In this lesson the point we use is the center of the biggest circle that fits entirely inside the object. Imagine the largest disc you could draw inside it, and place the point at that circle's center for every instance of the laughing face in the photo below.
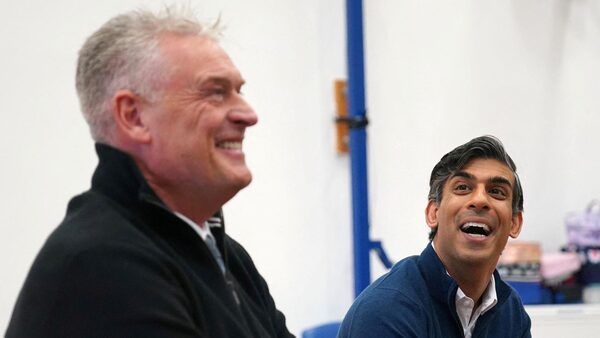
(197, 126)
(475, 216)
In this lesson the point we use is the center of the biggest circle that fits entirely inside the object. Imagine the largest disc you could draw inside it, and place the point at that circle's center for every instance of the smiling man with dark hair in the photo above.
(452, 289)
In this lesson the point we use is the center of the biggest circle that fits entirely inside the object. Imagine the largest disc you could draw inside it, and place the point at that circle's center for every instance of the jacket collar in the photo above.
(443, 288)
(118, 177)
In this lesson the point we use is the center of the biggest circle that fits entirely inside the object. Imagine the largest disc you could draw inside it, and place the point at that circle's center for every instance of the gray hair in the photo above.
(488, 147)
(124, 54)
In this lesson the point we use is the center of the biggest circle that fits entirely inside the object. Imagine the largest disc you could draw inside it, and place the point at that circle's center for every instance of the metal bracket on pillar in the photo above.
(378, 248)
(354, 122)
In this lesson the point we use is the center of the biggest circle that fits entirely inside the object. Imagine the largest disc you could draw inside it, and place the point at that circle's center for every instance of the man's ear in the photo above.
(431, 214)
(127, 108)
(517, 223)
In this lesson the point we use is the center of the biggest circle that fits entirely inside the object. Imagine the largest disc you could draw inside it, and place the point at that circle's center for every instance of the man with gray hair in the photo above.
(143, 253)
(452, 289)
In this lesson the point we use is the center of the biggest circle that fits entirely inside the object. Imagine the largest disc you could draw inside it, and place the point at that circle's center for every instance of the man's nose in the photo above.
(243, 114)
(479, 199)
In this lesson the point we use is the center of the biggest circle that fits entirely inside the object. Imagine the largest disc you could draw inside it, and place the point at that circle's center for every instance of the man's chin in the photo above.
(476, 257)
(245, 182)
(242, 179)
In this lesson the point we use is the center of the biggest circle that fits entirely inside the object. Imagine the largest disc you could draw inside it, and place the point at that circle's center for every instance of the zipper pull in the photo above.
(233, 292)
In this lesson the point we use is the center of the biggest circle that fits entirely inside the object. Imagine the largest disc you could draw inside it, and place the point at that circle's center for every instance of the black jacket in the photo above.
(122, 265)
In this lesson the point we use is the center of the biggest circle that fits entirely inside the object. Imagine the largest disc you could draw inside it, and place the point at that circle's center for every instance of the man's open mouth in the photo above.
(477, 229)
(229, 145)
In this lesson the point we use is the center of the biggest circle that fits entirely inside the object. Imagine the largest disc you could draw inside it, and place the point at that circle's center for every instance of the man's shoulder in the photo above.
(90, 261)
(92, 220)
(399, 303)
(402, 287)
(404, 275)
(396, 302)
(93, 228)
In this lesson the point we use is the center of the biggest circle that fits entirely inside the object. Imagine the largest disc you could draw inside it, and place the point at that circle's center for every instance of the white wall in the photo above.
(442, 72)
(439, 73)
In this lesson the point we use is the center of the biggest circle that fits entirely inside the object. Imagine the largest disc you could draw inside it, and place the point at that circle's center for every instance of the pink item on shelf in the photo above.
(556, 267)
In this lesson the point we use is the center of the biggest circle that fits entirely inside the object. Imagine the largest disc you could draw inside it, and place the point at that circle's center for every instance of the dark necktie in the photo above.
(212, 246)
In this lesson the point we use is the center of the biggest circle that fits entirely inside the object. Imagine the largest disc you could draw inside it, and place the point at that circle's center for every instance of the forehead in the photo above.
(487, 169)
(197, 58)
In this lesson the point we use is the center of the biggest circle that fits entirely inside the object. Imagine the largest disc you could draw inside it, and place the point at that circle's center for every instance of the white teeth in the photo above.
(475, 229)
(478, 225)
(230, 145)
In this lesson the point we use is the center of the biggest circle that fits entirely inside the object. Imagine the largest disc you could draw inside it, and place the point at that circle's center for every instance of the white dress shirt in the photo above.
(464, 307)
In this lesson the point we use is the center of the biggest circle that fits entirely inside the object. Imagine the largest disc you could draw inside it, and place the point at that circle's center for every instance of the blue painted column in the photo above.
(358, 146)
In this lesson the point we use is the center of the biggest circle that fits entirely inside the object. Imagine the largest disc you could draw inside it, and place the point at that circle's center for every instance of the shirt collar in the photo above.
(464, 304)
(489, 297)
(464, 307)
(202, 230)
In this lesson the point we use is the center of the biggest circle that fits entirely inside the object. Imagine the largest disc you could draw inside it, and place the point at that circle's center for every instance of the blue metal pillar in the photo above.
(358, 147)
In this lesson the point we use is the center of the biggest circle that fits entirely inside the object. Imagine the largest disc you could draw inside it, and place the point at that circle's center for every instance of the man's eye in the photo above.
(461, 187)
(498, 192)
(218, 93)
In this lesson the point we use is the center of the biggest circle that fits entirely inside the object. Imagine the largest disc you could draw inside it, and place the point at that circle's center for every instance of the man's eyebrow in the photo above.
(219, 81)
(219, 77)
(494, 180)
(463, 174)
(211, 79)
(500, 180)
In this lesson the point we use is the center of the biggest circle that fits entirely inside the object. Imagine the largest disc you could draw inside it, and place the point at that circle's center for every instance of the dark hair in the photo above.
(488, 147)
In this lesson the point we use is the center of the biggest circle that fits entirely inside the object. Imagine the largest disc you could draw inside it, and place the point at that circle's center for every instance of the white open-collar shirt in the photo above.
(464, 305)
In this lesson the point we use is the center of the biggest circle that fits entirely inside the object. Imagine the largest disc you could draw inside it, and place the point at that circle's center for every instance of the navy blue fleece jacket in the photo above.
(417, 299)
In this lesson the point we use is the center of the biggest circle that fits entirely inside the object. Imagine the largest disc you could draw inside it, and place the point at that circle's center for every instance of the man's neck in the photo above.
(472, 280)
(196, 204)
